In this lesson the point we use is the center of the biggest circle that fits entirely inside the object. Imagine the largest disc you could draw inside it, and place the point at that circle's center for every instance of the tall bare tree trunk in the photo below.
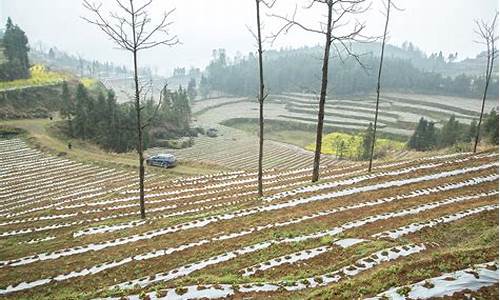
(478, 133)
(261, 103)
(374, 135)
(489, 69)
(322, 97)
(140, 139)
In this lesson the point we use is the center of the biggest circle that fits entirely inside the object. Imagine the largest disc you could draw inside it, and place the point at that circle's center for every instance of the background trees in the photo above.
(425, 136)
(83, 105)
(453, 133)
(191, 89)
(491, 127)
(176, 109)
(96, 116)
(297, 70)
(67, 107)
(368, 145)
(15, 48)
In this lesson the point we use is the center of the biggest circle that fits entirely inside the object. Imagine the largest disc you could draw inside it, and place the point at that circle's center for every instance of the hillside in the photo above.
(29, 102)
(407, 51)
(299, 70)
(72, 230)
(305, 157)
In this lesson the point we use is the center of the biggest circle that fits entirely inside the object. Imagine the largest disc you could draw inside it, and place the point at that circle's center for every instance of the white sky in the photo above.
(203, 25)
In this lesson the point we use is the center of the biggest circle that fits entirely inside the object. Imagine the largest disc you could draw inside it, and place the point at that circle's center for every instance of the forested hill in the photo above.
(406, 69)
(60, 60)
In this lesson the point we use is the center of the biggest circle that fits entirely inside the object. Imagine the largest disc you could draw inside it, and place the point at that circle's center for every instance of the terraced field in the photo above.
(399, 112)
(413, 228)
(237, 149)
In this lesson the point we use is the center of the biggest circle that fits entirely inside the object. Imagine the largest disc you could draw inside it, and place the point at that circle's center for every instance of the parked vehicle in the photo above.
(162, 160)
(212, 132)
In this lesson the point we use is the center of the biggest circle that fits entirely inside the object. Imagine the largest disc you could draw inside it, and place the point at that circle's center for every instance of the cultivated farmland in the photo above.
(412, 227)
(238, 149)
(399, 112)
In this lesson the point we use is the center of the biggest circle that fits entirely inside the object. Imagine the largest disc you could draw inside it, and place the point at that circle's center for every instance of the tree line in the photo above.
(79, 65)
(297, 70)
(97, 116)
(428, 137)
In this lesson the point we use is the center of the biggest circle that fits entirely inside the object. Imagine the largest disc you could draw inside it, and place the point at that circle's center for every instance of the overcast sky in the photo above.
(203, 25)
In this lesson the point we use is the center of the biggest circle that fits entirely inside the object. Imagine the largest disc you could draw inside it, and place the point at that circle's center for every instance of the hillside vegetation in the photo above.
(350, 146)
(39, 76)
(299, 70)
(30, 102)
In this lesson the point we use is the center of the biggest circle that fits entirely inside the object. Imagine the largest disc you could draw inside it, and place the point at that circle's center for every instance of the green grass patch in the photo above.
(350, 145)
(281, 131)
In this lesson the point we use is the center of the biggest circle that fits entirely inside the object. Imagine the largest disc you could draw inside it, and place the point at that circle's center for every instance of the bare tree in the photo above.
(132, 29)
(488, 35)
(261, 102)
(336, 35)
(262, 96)
(374, 133)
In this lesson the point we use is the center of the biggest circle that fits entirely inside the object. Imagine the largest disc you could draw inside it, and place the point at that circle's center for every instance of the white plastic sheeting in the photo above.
(473, 279)
(300, 256)
(225, 290)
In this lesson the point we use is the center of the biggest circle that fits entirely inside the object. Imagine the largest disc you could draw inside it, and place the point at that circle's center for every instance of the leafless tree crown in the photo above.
(268, 4)
(345, 26)
(487, 32)
(488, 36)
(132, 27)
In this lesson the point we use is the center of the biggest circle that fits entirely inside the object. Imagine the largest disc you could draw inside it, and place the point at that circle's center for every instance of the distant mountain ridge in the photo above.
(439, 62)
